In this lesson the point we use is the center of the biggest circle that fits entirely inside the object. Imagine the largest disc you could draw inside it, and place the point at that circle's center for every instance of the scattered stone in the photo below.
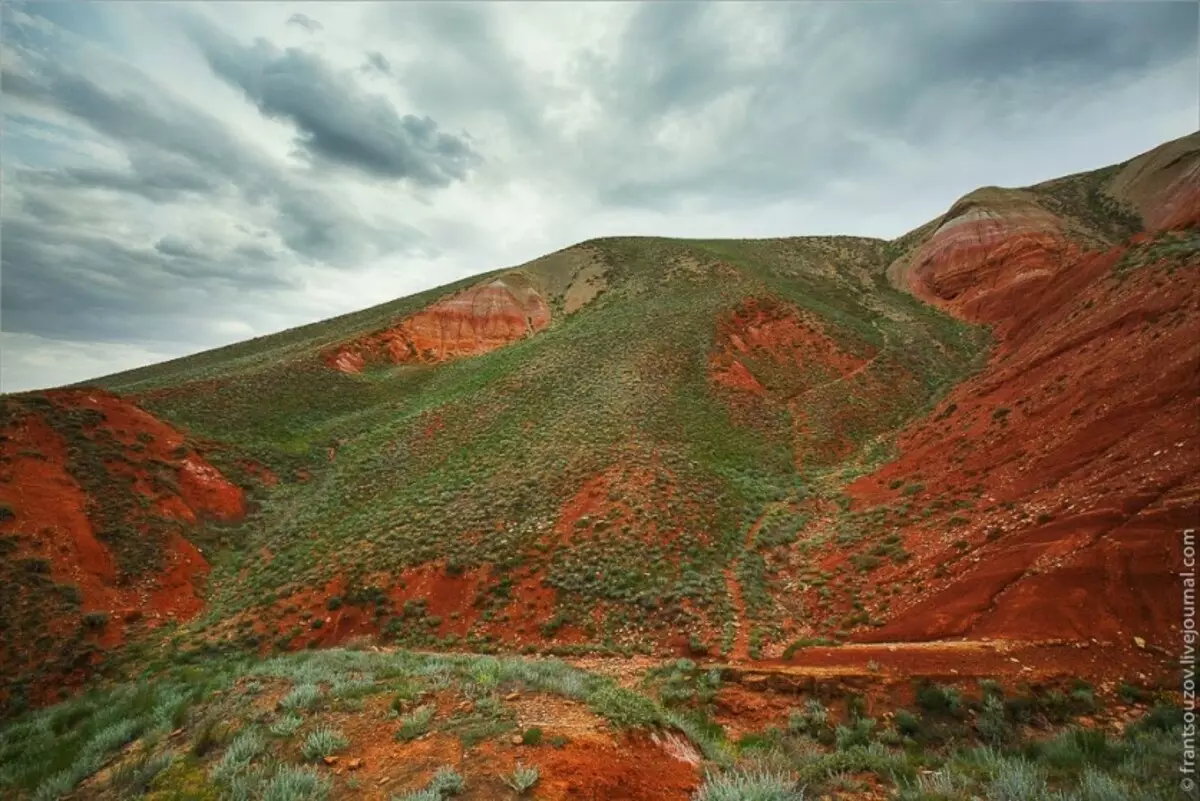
(354, 764)
(331, 760)
(384, 780)
(1139, 642)
(512, 696)
(516, 739)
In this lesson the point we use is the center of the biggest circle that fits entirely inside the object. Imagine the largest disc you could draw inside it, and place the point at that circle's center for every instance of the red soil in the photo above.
(765, 330)
(1076, 452)
(632, 768)
(981, 259)
(477, 320)
(54, 519)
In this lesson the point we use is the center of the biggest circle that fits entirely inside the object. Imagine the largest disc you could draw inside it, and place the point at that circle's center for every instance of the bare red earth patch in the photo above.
(52, 518)
(480, 319)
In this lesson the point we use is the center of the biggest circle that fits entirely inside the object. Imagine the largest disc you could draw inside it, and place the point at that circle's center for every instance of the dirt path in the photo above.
(740, 650)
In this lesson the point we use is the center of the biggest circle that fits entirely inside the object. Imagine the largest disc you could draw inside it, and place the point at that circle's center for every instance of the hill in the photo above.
(748, 452)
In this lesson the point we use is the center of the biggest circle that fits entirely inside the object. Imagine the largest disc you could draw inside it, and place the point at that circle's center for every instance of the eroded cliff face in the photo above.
(1055, 485)
(480, 319)
(992, 247)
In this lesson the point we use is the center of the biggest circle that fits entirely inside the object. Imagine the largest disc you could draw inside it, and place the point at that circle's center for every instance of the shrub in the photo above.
(857, 733)
(523, 778)
(287, 725)
(811, 721)
(623, 708)
(302, 696)
(133, 777)
(447, 781)
(415, 724)
(1016, 780)
(322, 743)
(295, 784)
(532, 736)
(907, 723)
(938, 700)
(992, 725)
(748, 786)
(238, 756)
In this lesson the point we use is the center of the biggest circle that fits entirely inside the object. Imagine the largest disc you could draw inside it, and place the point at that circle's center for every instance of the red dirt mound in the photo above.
(1057, 483)
(98, 499)
(485, 317)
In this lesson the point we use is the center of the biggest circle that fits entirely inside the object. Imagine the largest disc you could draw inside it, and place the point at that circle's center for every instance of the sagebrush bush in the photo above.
(748, 786)
(323, 742)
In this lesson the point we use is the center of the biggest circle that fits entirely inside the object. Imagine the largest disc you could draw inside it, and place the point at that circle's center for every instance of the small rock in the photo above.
(354, 764)
(384, 780)
(1139, 642)
(331, 760)
(516, 739)
(512, 696)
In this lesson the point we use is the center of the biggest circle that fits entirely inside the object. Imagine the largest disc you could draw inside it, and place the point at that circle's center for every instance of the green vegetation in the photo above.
(427, 457)
(523, 778)
(233, 744)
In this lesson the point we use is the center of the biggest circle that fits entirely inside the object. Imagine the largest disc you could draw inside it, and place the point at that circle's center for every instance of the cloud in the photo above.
(336, 120)
(306, 22)
(376, 61)
(179, 178)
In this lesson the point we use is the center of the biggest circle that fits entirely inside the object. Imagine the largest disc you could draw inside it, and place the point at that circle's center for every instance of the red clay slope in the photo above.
(97, 496)
(1075, 455)
(480, 319)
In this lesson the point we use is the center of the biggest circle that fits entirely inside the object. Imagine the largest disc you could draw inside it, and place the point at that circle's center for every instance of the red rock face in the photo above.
(478, 320)
(1075, 452)
(986, 257)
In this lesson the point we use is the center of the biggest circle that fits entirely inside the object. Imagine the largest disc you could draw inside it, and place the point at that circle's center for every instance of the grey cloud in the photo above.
(306, 22)
(178, 247)
(895, 71)
(73, 270)
(376, 61)
(174, 149)
(337, 122)
(477, 71)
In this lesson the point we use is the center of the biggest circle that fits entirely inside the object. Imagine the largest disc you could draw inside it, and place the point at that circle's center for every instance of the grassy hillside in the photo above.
(474, 464)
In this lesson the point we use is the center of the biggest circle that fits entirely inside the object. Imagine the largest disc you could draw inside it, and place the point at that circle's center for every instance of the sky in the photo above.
(176, 177)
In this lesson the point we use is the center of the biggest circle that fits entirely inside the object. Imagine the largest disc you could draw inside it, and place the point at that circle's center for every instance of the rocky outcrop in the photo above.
(487, 316)
(992, 245)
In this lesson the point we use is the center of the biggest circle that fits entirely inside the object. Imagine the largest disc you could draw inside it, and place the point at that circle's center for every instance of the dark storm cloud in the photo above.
(306, 22)
(336, 120)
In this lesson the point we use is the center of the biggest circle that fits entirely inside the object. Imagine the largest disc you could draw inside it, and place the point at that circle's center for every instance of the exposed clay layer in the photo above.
(994, 247)
(1074, 456)
(475, 321)
(99, 498)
